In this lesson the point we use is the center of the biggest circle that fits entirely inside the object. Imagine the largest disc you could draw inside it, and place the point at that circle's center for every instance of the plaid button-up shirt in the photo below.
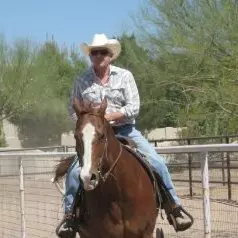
(121, 92)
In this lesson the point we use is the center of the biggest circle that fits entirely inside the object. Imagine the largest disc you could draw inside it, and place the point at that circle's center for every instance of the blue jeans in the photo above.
(156, 161)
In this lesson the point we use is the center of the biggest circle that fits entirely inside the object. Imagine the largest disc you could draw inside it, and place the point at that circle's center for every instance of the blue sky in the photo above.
(69, 21)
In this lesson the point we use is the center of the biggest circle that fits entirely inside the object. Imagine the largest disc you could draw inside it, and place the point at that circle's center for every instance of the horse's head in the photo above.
(91, 139)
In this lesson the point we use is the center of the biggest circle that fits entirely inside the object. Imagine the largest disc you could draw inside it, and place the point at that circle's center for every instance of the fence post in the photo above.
(22, 201)
(228, 170)
(223, 165)
(190, 171)
(155, 143)
(206, 195)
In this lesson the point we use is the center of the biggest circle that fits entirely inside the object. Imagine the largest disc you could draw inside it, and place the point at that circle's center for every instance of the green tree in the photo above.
(35, 89)
(157, 108)
(2, 139)
(15, 78)
(196, 43)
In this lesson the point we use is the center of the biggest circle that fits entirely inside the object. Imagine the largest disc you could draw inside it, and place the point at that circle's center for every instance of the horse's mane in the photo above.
(62, 167)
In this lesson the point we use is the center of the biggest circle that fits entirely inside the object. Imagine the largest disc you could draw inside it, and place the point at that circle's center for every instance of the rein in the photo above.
(106, 175)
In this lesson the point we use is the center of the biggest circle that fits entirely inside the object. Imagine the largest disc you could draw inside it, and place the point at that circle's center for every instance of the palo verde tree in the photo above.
(196, 43)
(155, 100)
(35, 88)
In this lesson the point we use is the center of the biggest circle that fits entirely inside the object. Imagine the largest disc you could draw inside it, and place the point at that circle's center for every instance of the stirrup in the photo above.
(177, 213)
(70, 230)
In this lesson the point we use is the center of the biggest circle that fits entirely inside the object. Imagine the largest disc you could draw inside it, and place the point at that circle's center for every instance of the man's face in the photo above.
(100, 57)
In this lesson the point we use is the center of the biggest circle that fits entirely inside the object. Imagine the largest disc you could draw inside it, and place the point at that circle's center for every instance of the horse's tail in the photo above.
(62, 167)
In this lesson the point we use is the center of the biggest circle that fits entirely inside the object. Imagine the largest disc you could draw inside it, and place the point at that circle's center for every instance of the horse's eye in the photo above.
(78, 135)
(100, 136)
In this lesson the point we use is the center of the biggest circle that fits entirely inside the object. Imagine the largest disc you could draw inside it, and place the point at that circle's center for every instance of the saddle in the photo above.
(163, 197)
(131, 147)
(126, 141)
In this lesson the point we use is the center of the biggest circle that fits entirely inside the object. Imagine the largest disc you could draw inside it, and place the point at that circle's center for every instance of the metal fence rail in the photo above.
(25, 182)
(199, 140)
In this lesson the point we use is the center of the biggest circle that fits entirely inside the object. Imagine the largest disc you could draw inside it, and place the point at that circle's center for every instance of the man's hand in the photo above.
(115, 116)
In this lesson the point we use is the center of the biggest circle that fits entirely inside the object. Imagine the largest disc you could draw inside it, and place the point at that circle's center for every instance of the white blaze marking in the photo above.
(88, 135)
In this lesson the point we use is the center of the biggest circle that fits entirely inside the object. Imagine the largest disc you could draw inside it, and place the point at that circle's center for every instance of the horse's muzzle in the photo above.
(90, 182)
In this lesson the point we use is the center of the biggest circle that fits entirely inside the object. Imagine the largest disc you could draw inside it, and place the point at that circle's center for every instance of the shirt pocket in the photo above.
(91, 94)
(117, 94)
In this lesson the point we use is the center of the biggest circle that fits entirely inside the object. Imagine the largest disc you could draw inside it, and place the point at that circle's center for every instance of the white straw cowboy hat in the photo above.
(101, 41)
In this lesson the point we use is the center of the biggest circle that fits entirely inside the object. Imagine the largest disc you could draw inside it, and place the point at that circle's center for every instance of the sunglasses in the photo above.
(102, 52)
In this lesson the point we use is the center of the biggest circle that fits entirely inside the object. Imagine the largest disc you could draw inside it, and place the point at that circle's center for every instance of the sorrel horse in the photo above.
(119, 199)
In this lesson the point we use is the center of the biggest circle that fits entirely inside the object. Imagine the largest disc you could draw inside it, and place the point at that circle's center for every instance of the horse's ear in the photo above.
(78, 106)
(103, 106)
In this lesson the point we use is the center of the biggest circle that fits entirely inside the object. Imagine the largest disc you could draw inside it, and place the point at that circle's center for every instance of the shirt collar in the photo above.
(112, 70)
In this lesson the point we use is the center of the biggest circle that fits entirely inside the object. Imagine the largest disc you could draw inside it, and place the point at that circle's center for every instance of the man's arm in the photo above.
(132, 106)
(115, 116)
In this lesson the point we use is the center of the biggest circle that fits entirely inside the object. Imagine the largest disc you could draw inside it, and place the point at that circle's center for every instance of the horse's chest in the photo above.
(115, 212)
(106, 223)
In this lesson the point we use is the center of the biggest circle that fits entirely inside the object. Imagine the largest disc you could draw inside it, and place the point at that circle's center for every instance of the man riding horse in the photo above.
(117, 85)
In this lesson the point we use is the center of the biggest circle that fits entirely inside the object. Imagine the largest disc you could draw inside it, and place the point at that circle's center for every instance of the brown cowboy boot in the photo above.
(66, 228)
(180, 219)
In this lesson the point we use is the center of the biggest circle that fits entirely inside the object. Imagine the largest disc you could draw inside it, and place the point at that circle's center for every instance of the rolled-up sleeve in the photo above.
(75, 93)
(132, 98)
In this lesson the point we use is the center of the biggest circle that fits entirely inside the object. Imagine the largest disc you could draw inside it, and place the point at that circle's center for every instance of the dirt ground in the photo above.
(43, 207)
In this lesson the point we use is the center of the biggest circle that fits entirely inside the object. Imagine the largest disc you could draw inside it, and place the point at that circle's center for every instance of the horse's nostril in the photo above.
(93, 177)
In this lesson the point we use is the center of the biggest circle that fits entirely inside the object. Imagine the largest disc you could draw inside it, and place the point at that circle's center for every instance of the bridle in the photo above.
(104, 176)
